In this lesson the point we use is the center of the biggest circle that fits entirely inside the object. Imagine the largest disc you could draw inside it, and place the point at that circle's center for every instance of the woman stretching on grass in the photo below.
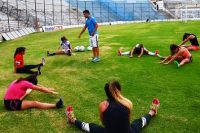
(19, 89)
(115, 114)
(139, 49)
(193, 40)
(66, 48)
(19, 66)
(179, 55)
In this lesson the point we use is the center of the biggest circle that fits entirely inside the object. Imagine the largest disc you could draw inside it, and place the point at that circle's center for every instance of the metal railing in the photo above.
(16, 14)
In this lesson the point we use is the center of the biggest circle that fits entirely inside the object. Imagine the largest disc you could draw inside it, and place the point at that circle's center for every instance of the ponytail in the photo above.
(113, 92)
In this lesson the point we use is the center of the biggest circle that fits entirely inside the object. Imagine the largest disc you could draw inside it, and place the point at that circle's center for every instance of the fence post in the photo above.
(61, 11)
(77, 12)
(8, 17)
(53, 10)
(108, 12)
(45, 19)
(69, 12)
(26, 13)
(17, 14)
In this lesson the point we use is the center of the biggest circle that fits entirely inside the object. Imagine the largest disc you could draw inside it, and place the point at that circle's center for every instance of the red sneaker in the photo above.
(70, 114)
(155, 105)
(156, 52)
(119, 52)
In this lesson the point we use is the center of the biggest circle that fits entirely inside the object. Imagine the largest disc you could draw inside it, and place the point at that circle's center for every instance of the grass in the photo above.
(81, 82)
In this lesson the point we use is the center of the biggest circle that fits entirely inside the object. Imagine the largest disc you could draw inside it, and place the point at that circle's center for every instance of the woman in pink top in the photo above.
(19, 89)
(179, 55)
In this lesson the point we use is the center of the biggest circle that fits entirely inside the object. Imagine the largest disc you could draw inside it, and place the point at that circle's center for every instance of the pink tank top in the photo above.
(17, 90)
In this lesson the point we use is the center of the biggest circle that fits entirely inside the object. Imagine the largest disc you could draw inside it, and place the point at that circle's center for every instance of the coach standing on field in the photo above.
(92, 26)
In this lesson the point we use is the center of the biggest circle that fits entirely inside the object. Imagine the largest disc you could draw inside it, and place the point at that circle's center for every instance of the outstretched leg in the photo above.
(139, 124)
(87, 127)
(40, 105)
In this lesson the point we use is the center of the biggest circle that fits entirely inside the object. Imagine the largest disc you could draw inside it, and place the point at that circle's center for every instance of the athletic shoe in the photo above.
(59, 104)
(119, 52)
(38, 71)
(155, 105)
(70, 114)
(43, 61)
(156, 52)
(47, 53)
(96, 59)
(176, 63)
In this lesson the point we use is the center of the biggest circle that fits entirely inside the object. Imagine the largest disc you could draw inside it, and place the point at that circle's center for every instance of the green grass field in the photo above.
(81, 82)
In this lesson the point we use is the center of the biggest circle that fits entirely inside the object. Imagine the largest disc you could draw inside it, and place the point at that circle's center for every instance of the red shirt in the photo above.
(19, 61)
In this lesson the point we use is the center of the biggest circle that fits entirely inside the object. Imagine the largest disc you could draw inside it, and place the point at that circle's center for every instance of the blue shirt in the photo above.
(90, 23)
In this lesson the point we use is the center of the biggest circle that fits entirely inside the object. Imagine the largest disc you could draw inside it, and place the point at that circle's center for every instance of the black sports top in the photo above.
(116, 118)
(193, 41)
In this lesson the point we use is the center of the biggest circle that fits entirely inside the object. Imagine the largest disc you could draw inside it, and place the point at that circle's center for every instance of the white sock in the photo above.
(151, 53)
(126, 53)
(86, 127)
(144, 121)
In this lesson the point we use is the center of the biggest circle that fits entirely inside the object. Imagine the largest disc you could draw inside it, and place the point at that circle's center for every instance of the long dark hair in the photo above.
(113, 92)
(31, 78)
(185, 35)
(63, 38)
(173, 47)
(19, 50)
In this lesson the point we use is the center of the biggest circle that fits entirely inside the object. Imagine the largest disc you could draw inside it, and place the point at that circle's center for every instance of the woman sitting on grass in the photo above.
(19, 66)
(193, 40)
(66, 48)
(19, 89)
(115, 114)
(179, 55)
(139, 49)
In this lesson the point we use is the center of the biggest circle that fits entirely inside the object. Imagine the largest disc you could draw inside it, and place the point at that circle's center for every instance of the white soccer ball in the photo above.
(81, 48)
(76, 49)
(89, 48)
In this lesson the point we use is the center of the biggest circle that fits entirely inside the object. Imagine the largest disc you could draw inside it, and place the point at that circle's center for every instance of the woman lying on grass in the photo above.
(115, 114)
(139, 49)
(179, 55)
(20, 88)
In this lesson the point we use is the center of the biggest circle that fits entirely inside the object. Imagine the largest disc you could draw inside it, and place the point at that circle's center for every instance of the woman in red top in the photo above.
(19, 66)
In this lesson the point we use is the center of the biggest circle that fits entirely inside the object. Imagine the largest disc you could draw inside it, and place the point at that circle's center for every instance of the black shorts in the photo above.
(14, 104)
(190, 58)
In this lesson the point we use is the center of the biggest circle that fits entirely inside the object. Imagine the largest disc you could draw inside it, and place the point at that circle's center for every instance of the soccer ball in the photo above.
(76, 49)
(81, 48)
(89, 48)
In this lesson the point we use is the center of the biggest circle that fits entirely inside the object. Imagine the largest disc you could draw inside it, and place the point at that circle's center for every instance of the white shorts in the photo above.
(66, 51)
(94, 41)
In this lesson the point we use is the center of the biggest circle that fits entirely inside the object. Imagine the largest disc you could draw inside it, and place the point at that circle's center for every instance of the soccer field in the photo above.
(81, 82)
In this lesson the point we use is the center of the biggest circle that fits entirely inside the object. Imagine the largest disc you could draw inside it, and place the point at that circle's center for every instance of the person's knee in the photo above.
(35, 103)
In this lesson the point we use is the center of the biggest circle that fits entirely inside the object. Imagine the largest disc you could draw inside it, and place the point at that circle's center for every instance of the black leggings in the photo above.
(27, 69)
(136, 125)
